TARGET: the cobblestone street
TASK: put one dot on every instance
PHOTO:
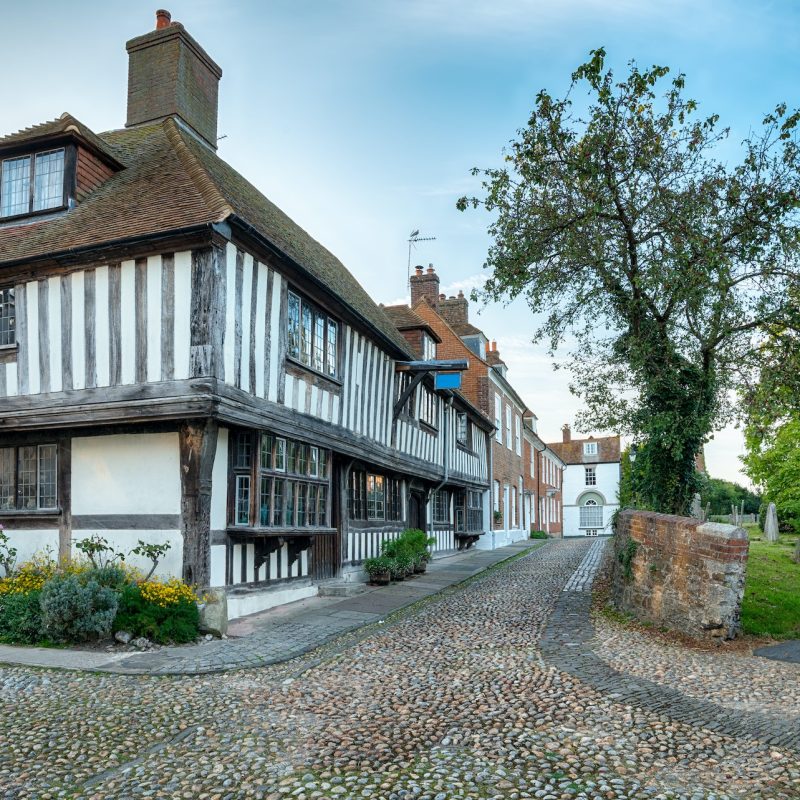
(500, 688)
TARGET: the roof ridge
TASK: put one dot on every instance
(204, 183)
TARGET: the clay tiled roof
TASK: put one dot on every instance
(467, 329)
(172, 182)
(65, 124)
(608, 450)
(405, 319)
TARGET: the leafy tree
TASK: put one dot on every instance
(720, 495)
(773, 461)
(662, 264)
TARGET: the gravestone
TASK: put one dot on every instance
(771, 524)
(697, 507)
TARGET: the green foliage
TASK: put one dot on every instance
(74, 610)
(21, 618)
(538, 534)
(626, 555)
(772, 461)
(98, 551)
(176, 622)
(8, 554)
(723, 494)
(378, 566)
(153, 552)
(661, 262)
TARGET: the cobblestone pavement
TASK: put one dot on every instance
(459, 698)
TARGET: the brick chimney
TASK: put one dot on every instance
(493, 355)
(170, 75)
(455, 310)
(566, 433)
(424, 284)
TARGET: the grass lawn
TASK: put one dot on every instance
(771, 605)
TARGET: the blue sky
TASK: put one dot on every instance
(362, 119)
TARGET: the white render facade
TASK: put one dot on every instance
(589, 507)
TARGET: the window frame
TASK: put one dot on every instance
(260, 459)
(319, 352)
(440, 507)
(8, 301)
(590, 448)
(16, 488)
(590, 522)
(590, 473)
(358, 504)
(429, 408)
(498, 418)
(66, 168)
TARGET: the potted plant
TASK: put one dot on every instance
(402, 566)
(379, 570)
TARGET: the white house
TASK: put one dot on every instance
(591, 483)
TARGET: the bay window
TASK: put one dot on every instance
(279, 482)
(312, 336)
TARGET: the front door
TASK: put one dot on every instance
(416, 510)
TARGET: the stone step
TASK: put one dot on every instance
(341, 588)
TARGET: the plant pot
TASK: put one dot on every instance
(420, 568)
(399, 576)
(381, 578)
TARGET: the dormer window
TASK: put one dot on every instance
(428, 348)
(590, 448)
(32, 183)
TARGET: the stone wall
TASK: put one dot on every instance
(680, 573)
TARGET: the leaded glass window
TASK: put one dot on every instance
(8, 322)
(29, 477)
(312, 336)
(291, 479)
(32, 183)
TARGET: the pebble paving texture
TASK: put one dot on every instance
(500, 688)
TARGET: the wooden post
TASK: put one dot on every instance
(65, 498)
(198, 445)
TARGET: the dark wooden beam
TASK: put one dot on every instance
(198, 445)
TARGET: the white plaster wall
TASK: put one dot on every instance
(241, 605)
(28, 543)
(218, 565)
(219, 489)
(126, 474)
(575, 485)
(171, 566)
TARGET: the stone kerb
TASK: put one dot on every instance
(680, 573)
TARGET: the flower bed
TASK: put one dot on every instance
(92, 597)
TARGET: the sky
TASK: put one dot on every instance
(362, 119)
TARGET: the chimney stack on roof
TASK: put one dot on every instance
(424, 284)
(170, 75)
(566, 433)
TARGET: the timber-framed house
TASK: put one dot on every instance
(180, 361)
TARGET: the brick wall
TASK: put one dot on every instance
(680, 573)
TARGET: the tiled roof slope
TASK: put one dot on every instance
(608, 450)
(403, 318)
(171, 182)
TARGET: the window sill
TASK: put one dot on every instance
(32, 512)
(304, 370)
(276, 532)
(31, 215)
(8, 353)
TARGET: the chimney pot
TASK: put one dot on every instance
(442, 297)
(418, 270)
(431, 270)
(566, 433)
(460, 293)
(163, 19)
(494, 346)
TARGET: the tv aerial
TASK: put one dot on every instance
(413, 238)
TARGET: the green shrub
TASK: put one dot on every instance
(376, 566)
(110, 576)
(21, 618)
(538, 535)
(171, 622)
(74, 611)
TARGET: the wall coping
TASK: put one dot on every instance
(716, 529)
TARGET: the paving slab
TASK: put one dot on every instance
(785, 651)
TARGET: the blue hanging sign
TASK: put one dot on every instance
(448, 380)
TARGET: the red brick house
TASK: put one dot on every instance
(486, 385)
